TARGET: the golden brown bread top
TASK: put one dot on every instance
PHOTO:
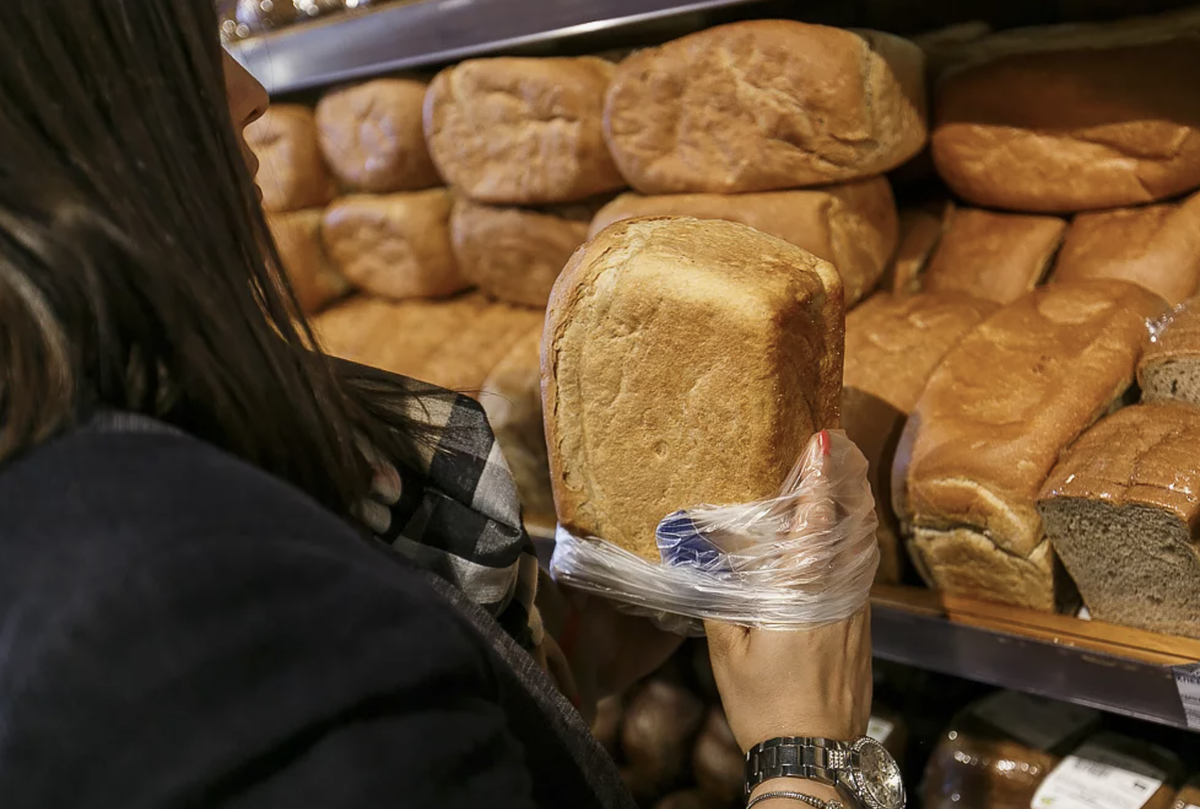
(994, 256)
(395, 245)
(1176, 336)
(314, 280)
(893, 343)
(921, 230)
(372, 137)
(1009, 398)
(1156, 246)
(853, 226)
(522, 131)
(684, 362)
(1065, 131)
(514, 254)
(1145, 454)
(764, 105)
(291, 172)
(454, 343)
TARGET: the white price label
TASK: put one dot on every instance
(879, 729)
(1038, 722)
(1095, 777)
(1187, 683)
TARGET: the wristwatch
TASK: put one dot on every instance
(862, 771)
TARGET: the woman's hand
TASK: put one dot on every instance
(807, 682)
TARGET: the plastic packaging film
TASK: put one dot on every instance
(805, 557)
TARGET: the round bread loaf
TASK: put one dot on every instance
(291, 172)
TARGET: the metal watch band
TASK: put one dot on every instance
(806, 757)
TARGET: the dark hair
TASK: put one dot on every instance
(136, 268)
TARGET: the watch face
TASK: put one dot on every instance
(877, 777)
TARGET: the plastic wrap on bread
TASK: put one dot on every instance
(805, 557)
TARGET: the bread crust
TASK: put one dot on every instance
(994, 417)
(764, 105)
(853, 226)
(893, 344)
(314, 280)
(1155, 246)
(372, 137)
(684, 362)
(995, 256)
(291, 172)
(396, 246)
(1072, 130)
(515, 254)
(921, 231)
(521, 131)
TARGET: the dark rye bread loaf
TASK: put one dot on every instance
(1121, 510)
(684, 362)
(1170, 366)
(991, 424)
(893, 344)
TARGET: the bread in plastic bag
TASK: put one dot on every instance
(805, 557)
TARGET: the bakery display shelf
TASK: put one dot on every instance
(427, 33)
(1116, 669)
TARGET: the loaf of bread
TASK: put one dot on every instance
(893, 344)
(765, 105)
(455, 344)
(921, 230)
(991, 424)
(1072, 130)
(291, 171)
(314, 281)
(372, 137)
(684, 362)
(1170, 366)
(396, 246)
(515, 254)
(516, 131)
(1121, 510)
(512, 398)
(997, 751)
(996, 256)
(1156, 246)
(852, 226)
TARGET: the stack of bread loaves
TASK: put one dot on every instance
(783, 126)
(521, 142)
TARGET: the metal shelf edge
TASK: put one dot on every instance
(433, 32)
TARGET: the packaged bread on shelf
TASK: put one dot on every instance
(291, 172)
(373, 139)
(852, 226)
(396, 246)
(515, 254)
(1170, 366)
(522, 131)
(990, 426)
(314, 280)
(997, 751)
(995, 256)
(1112, 769)
(1078, 129)
(455, 344)
(921, 229)
(1121, 510)
(512, 398)
(684, 362)
(1156, 246)
(765, 105)
(893, 344)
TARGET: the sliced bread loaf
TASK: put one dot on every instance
(1170, 366)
